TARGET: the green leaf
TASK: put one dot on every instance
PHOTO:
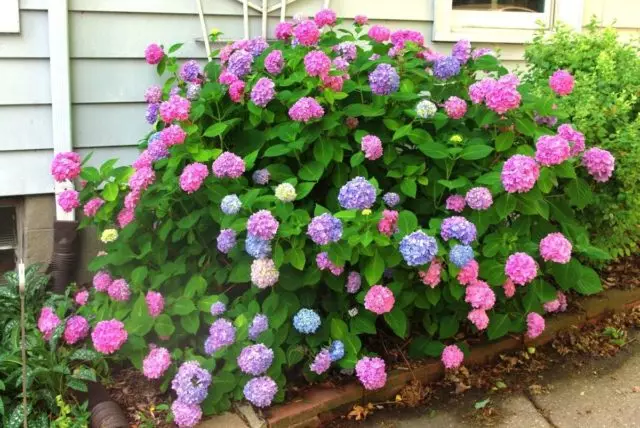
(526, 126)
(296, 258)
(84, 355)
(295, 354)
(85, 373)
(499, 325)
(224, 381)
(191, 322)
(407, 223)
(547, 180)
(215, 129)
(276, 150)
(579, 193)
(448, 326)
(364, 322)
(434, 150)
(403, 131)
(339, 329)
(505, 205)
(77, 384)
(303, 189)
(240, 273)
(182, 306)
(90, 174)
(139, 321)
(311, 171)
(545, 291)
(476, 151)
(409, 187)
(397, 320)
(357, 159)
(323, 151)
(492, 271)
(196, 286)
(374, 269)
(110, 192)
(504, 141)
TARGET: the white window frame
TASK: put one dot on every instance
(9, 16)
(483, 26)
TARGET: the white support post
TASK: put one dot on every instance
(283, 11)
(245, 13)
(264, 18)
(203, 27)
(326, 4)
(60, 88)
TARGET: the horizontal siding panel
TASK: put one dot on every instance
(32, 41)
(26, 81)
(26, 172)
(109, 125)
(410, 10)
(182, 7)
(125, 155)
(25, 127)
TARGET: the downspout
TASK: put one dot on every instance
(105, 413)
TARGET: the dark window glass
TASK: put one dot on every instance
(536, 6)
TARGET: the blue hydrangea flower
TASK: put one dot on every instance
(459, 228)
(357, 194)
(460, 255)
(256, 247)
(191, 383)
(306, 321)
(418, 248)
(260, 391)
(230, 204)
(391, 199)
(189, 71)
(336, 351)
(446, 67)
(384, 80)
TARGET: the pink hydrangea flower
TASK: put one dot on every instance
(156, 362)
(360, 19)
(227, 78)
(388, 224)
(68, 200)
(153, 94)
(325, 17)
(47, 322)
(521, 268)
(306, 109)
(479, 90)
(556, 248)
(132, 199)
(102, 280)
(575, 138)
(324, 263)
(236, 91)
(65, 166)
(81, 298)
(109, 336)
(153, 54)
(372, 147)
(352, 122)
(144, 160)
(431, 276)
(334, 83)
(284, 30)
(193, 176)
(142, 178)
(155, 303)
(452, 357)
(175, 108)
(455, 107)
(76, 329)
(480, 296)
(535, 325)
(379, 33)
(400, 37)
(599, 163)
(263, 92)
(479, 198)
(125, 216)
(307, 33)
(479, 318)
(91, 208)
(509, 288)
(559, 304)
(552, 150)
(469, 273)
(371, 372)
(173, 135)
(519, 174)
(379, 299)
(274, 62)
(502, 97)
(228, 165)
(317, 63)
(561, 82)
(119, 290)
(263, 225)
(455, 203)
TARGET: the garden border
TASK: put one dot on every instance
(322, 404)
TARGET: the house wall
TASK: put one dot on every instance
(109, 75)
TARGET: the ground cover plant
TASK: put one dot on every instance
(297, 196)
(605, 105)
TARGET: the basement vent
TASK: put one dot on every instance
(8, 235)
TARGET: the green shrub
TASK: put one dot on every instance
(605, 105)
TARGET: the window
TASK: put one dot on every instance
(9, 16)
(8, 235)
(505, 21)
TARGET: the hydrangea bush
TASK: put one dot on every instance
(296, 197)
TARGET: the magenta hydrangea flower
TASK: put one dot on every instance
(400, 37)
(509, 288)
(455, 107)
(142, 178)
(306, 109)
(324, 263)
(480, 296)
(264, 273)
(193, 176)
(175, 108)
(599, 163)
(479, 318)
(108, 336)
(307, 33)
(388, 224)
(379, 33)
(479, 198)
(284, 30)
(469, 273)
(68, 200)
(76, 329)
(173, 135)
(354, 282)
(321, 362)
(431, 276)
(186, 415)
(455, 203)
(360, 19)
(263, 92)
(125, 216)
(379, 299)
(156, 362)
(65, 166)
(144, 160)
(155, 303)
(556, 248)
(452, 357)
(47, 322)
(477, 53)
(561, 82)
(102, 280)
(325, 17)
(153, 94)
(502, 96)
(263, 225)
(227, 78)
(119, 290)
(91, 208)
(274, 62)
(324, 229)
(479, 90)
(521, 268)
(236, 91)
(255, 359)
(153, 54)
(228, 165)
(519, 174)
(559, 304)
(260, 391)
(575, 138)
(535, 325)
(371, 372)
(317, 63)
(372, 147)
(81, 298)
(552, 150)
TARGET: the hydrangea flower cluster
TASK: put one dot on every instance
(286, 192)
(431, 276)
(599, 163)
(535, 325)
(263, 92)
(321, 362)
(260, 391)
(379, 299)
(479, 198)
(559, 304)
(372, 147)
(230, 205)
(357, 194)
(306, 321)
(256, 247)
(354, 282)
(521, 268)
(459, 228)
(305, 110)
(47, 322)
(426, 109)
(446, 67)
(325, 229)
(68, 200)
(218, 308)
(226, 240)
(191, 383)
(460, 255)
(222, 333)
(108, 336)
(228, 165)
(155, 303)
(274, 62)
(556, 248)
(418, 248)
(388, 224)
(255, 359)
(480, 296)
(452, 357)
(552, 150)
(193, 176)
(119, 290)
(519, 174)
(259, 324)
(379, 33)
(81, 298)
(156, 363)
(455, 107)
(499, 95)
(456, 203)
(263, 225)
(384, 80)
(391, 199)
(371, 372)
(561, 82)
(264, 273)
(65, 166)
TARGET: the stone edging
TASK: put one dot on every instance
(318, 404)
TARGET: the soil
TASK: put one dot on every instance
(624, 274)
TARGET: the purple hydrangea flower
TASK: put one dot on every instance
(240, 63)
(151, 115)
(324, 229)
(263, 92)
(263, 225)
(479, 198)
(186, 415)
(391, 199)
(190, 71)
(321, 363)
(459, 228)
(256, 247)
(221, 333)
(357, 194)
(153, 94)
(226, 240)
(306, 109)
(218, 308)
(193, 91)
(259, 324)
(274, 62)
(444, 68)
(354, 281)
(260, 391)
(384, 80)
(462, 51)
(257, 46)
(261, 176)
(255, 359)
(230, 204)
(418, 248)
(191, 383)
(156, 148)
